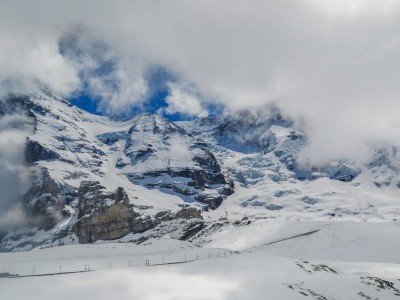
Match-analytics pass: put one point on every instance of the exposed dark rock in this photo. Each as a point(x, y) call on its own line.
point(309, 200)
point(249, 132)
point(45, 202)
point(273, 207)
point(324, 268)
point(34, 152)
point(228, 189)
point(212, 202)
point(189, 213)
point(142, 239)
point(92, 195)
point(164, 215)
point(110, 222)
point(145, 152)
point(201, 179)
point(112, 137)
point(14, 103)
point(186, 213)
point(192, 229)
point(209, 161)
point(381, 284)
point(201, 175)
point(106, 216)
point(342, 172)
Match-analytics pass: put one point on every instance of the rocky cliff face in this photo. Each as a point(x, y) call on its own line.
point(101, 179)
point(160, 154)
point(106, 216)
point(45, 202)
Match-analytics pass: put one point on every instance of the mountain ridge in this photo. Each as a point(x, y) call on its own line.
point(243, 165)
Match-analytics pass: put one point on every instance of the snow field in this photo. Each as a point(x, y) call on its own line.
point(345, 260)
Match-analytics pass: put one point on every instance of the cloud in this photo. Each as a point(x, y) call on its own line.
point(355, 8)
point(114, 85)
point(15, 177)
point(333, 66)
point(183, 100)
point(28, 59)
point(13, 217)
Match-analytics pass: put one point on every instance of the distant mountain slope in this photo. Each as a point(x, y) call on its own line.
point(242, 165)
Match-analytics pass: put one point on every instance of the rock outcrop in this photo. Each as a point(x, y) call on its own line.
point(159, 154)
point(44, 202)
point(189, 213)
point(106, 216)
point(34, 152)
point(196, 163)
point(192, 229)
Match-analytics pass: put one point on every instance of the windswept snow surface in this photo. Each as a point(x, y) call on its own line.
point(287, 232)
point(258, 153)
point(345, 260)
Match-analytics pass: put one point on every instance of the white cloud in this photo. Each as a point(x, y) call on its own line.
point(27, 59)
point(355, 8)
point(118, 91)
point(114, 85)
point(333, 64)
point(182, 100)
point(14, 175)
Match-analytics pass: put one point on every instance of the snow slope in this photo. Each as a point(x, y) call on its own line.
point(272, 227)
point(329, 264)
point(238, 166)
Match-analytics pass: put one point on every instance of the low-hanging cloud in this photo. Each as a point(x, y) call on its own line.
point(15, 176)
point(333, 66)
point(114, 85)
point(182, 99)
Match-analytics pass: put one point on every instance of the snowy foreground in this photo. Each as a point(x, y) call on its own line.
point(264, 260)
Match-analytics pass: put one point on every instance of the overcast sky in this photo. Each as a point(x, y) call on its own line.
point(332, 65)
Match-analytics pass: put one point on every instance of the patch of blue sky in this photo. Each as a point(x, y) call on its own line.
point(155, 102)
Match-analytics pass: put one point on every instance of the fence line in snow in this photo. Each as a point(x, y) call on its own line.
point(160, 261)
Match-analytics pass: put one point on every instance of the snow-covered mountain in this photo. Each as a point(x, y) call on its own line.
point(96, 178)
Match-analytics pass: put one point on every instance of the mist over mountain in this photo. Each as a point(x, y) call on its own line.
point(72, 172)
point(199, 149)
point(333, 68)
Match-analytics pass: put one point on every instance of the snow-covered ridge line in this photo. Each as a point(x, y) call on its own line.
point(234, 167)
